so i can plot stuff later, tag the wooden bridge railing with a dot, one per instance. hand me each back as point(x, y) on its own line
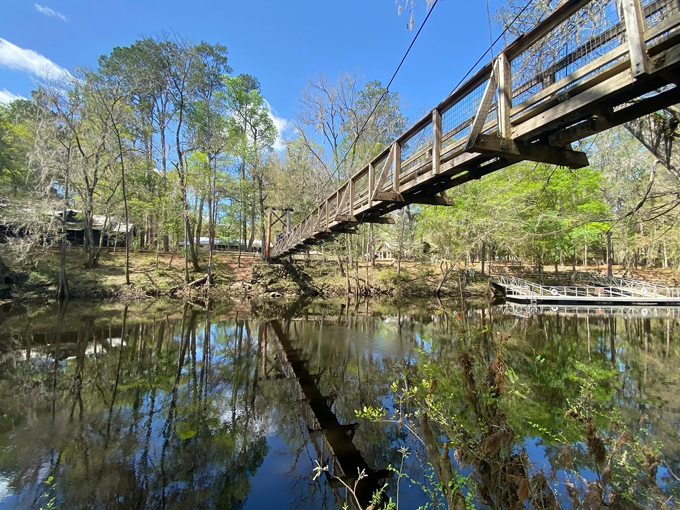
point(589, 66)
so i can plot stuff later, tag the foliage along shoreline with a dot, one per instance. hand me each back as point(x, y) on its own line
point(160, 275)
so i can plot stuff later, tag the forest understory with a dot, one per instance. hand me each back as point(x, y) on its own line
point(162, 274)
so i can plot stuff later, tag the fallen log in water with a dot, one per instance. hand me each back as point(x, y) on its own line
point(195, 283)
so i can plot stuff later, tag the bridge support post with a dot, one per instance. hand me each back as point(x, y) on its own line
point(504, 72)
point(635, 25)
point(396, 170)
point(371, 184)
point(268, 237)
point(436, 140)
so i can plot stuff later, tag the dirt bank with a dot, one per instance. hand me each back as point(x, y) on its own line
point(154, 275)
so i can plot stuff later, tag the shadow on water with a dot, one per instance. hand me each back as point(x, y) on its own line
point(164, 405)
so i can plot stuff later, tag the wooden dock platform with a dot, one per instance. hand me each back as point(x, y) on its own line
point(601, 291)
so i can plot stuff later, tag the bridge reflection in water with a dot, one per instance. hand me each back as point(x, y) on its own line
point(331, 439)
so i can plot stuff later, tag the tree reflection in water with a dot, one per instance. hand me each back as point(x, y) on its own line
point(153, 406)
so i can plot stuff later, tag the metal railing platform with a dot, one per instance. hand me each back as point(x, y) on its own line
point(602, 290)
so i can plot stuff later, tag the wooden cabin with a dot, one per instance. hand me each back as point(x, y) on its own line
point(385, 252)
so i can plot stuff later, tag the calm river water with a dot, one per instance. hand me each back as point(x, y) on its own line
point(165, 405)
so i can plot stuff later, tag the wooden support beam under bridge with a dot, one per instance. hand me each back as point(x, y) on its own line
point(514, 110)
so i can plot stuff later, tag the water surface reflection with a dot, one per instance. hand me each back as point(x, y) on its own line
point(163, 405)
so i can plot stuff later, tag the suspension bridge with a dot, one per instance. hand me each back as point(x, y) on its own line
point(589, 66)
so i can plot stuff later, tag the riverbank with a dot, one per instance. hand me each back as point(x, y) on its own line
point(151, 275)
point(162, 274)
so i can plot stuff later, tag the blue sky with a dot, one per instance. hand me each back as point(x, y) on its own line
point(281, 42)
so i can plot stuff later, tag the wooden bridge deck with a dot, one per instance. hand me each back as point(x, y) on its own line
point(529, 104)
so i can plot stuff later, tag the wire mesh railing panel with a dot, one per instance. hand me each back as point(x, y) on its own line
point(585, 36)
point(379, 166)
point(332, 208)
point(418, 142)
point(360, 190)
point(457, 119)
point(491, 118)
point(657, 11)
point(527, 91)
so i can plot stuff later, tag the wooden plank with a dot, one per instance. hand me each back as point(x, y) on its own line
point(504, 73)
point(434, 200)
point(635, 23)
point(371, 183)
point(599, 123)
point(436, 139)
point(380, 220)
point(483, 110)
point(327, 215)
point(584, 85)
point(389, 196)
point(576, 109)
point(538, 152)
point(560, 112)
point(396, 170)
point(422, 151)
point(383, 174)
point(594, 124)
point(267, 248)
point(343, 200)
point(352, 193)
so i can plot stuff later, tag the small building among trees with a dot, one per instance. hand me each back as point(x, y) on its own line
point(106, 231)
point(385, 252)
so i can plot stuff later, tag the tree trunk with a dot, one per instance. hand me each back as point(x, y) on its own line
point(164, 167)
point(260, 190)
point(212, 207)
point(4, 269)
point(585, 255)
point(62, 286)
point(192, 246)
point(199, 222)
point(610, 255)
point(252, 229)
point(90, 247)
point(483, 257)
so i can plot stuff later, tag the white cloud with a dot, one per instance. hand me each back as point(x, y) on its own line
point(29, 61)
point(282, 127)
point(7, 97)
point(49, 12)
